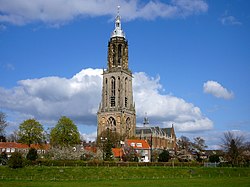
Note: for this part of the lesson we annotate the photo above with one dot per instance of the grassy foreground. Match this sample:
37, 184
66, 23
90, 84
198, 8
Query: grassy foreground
124, 176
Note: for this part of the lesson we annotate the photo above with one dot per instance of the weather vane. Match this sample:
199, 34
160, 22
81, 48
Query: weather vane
118, 10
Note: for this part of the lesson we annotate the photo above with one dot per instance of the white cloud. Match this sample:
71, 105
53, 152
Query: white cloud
61, 11
229, 20
166, 109
217, 90
48, 98
51, 97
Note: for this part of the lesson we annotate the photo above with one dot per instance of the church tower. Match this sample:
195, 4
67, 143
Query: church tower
117, 109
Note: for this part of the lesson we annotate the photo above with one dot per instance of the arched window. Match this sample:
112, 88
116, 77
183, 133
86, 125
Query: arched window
106, 92
112, 99
119, 91
126, 92
111, 124
119, 54
114, 61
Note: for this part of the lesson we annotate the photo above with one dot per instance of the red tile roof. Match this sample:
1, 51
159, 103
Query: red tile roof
23, 146
117, 152
138, 144
91, 149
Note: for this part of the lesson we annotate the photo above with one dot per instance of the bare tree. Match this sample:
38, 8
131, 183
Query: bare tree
232, 144
3, 123
184, 143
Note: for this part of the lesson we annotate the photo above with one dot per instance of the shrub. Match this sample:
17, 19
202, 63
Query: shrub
214, 158
32, 154
16, 160
164, 156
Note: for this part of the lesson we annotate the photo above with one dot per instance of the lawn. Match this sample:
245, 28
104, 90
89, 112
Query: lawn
124, 176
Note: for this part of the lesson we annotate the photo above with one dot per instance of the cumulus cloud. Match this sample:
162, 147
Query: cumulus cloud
166, 109
60, 11
51, 97
217, 90
48, 98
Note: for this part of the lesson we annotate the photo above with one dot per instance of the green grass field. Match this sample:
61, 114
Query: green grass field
124, 176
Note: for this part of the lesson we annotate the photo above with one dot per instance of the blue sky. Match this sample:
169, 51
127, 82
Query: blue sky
190, 59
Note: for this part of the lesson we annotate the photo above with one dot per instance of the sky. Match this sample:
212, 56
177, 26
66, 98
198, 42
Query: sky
190, 61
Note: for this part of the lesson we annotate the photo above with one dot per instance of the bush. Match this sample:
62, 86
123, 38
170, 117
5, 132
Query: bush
164, 156
32, 154
16, 160
214, 158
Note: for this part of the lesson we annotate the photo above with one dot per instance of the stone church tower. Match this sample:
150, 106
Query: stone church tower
117, 109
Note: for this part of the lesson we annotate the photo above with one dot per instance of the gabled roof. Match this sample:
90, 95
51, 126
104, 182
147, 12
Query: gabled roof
138, 144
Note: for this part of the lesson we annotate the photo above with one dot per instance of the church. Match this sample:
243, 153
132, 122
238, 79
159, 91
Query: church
117, 109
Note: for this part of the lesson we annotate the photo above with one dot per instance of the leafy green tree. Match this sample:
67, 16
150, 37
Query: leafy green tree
32, 154
108, 140
164, 156
3, 123
16, 160
31, 132
65, 133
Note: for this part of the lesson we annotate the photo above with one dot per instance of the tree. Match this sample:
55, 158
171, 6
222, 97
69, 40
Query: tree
164, 156
16, 160
214, 158
3, 123
31, 132
184, 143
233, 146
65, 133
32, 154
108, 140
199, 145
13, 137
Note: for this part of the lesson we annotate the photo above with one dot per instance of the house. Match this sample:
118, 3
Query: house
11, 147
141, 147
118, 153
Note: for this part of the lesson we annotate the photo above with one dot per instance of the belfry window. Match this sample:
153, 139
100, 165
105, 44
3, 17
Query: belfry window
114, 60
112, 99
119, 54
126, 92
106, 92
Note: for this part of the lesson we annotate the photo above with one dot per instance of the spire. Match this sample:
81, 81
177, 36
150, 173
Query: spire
146, 121
118, 32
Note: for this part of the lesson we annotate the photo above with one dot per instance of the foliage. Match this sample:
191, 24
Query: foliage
164, 156
113, 137
3, 158
130, 155
3, 123
32, 154
233, 146
16, 160
68, 153
108, 140
31, 132
65, 133
214, 158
